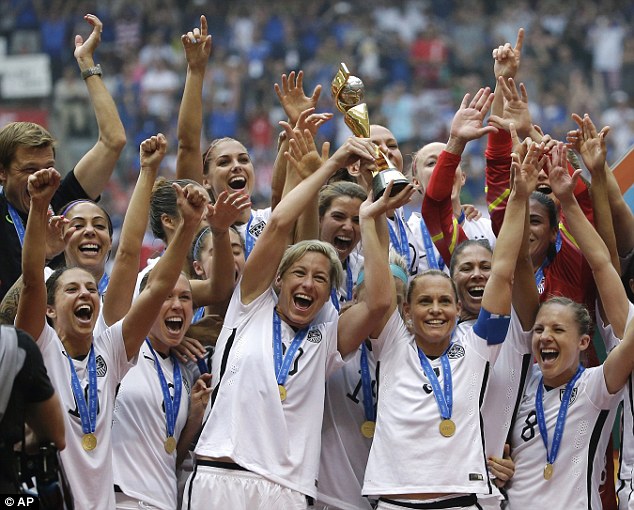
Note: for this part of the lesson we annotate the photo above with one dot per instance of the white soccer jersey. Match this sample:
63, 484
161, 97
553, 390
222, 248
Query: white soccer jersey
142, 468
577, 469
409, 455
626, 452
344, 450
278, 440
505, 383
479, 229
412, 258
259, 218
419, 262
89, 473
150, 264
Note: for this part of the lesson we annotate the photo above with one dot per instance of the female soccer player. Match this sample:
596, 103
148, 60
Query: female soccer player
84, 368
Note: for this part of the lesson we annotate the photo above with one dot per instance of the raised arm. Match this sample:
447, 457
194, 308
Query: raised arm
31, 315
197, 46
299, 109
584, 140
137, 323
369, 316
307, 225
525, 297
218, 288
262, 264
437, 209
126, 264
611, 291
498, 289
94, 169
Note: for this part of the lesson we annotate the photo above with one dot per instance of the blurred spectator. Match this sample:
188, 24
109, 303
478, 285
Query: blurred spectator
159, 85
606, 38
72, 104
620, 117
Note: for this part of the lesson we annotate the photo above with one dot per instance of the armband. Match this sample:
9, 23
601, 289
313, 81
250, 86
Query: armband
492, 327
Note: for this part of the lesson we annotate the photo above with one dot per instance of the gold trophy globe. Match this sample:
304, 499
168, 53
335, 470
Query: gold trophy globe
348, 92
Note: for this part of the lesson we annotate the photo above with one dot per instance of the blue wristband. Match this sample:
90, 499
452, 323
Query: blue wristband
492, 327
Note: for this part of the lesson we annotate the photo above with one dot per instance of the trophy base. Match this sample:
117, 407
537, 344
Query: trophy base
383, 178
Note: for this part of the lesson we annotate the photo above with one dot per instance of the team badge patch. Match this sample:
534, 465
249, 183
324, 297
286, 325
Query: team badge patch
455, 351
257, 229
102, 368
573, 395
314, 336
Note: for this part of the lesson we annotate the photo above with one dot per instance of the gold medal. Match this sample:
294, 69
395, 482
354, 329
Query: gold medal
169, 444
89, 441
367, 429
447, 428
282, 392
548, 471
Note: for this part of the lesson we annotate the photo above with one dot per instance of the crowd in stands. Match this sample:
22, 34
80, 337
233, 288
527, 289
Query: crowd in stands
416, 58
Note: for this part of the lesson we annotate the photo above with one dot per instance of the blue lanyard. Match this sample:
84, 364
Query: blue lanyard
366, 383
200, 312
444, 399
561, 416
87, 412
283, 366
103, 284
558, 241
334, 295
539, 276
249, 240
17, 223
202, 366
429, 248
400, 243
171, 407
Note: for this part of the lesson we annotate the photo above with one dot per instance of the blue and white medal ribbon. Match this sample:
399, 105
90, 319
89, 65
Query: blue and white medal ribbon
551, 455
400, 242
171, 407
87, 412
539, 276
103, 284
17, 223
249, 240
369, 425
429, 249
334, 295
443, 396
283, 364
198, 314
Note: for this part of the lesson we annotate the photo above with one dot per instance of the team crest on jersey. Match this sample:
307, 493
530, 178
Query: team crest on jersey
573, 395
256, 230
455, 351
314, 336
102, 368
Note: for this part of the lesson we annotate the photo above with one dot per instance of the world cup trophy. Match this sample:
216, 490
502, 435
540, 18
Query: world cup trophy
348, 92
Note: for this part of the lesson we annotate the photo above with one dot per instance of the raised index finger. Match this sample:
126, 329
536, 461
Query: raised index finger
520, 41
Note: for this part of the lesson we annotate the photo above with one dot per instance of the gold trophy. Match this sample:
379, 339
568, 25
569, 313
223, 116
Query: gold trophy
348, 93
